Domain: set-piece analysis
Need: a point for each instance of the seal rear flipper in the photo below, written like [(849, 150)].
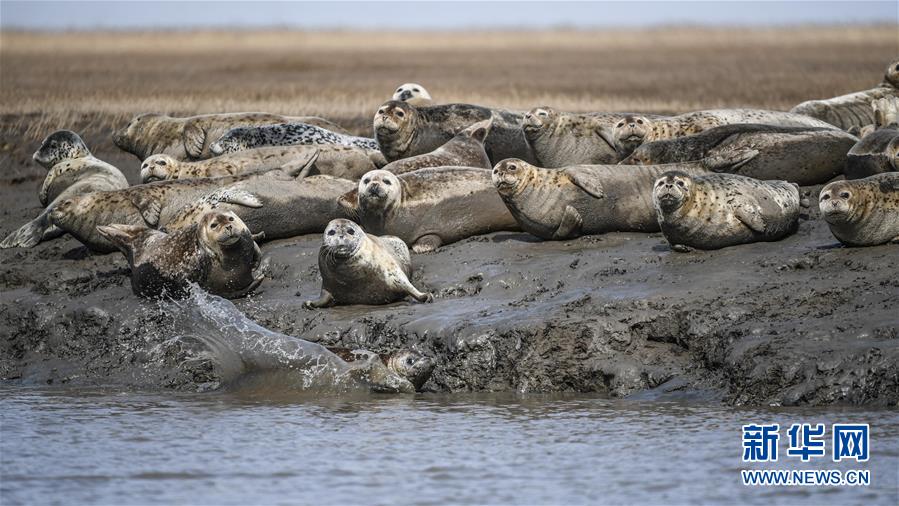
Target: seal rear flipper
[(29, 234), (298, 169), (194, 138), (570, 226), (729, 160), (590, 184)]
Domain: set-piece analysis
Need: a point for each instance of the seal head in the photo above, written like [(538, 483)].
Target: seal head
[(394, 125), (630, 132), (58, 146), (835, 202), (537, 120), (510, 176), (158, 168), (672, 190), (412, 366), (342, 238), (221, 230), (412, 93), (236, 139), (379, 190), (891, 76)]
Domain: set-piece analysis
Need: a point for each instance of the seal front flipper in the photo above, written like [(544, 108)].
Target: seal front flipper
[(729, 160), (324, 300), (571, 224), (298, 169), (586, 182), (149, 208), (349, 203), (121, 236), (194, 139), (680, 248), (427, 243), (749, 215)]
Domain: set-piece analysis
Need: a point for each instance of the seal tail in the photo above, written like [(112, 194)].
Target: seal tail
[(29, 234)]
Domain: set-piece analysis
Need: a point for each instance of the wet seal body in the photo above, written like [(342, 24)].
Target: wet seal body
[(802, 155), (359, 268), (428, 208), (853, 110), (413, 93), (556, 204), (403, 130), (863, 212), (408, 364), (189, 138), (877, 152), (715, 211), (217, 252), (466, 149), (285, 134), (73, 171)]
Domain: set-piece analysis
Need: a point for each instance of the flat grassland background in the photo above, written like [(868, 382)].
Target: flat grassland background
[(93, 82)]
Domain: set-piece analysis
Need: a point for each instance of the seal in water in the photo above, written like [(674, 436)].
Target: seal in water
[(73, 171), (403, 130), (285, 134), (428, 208), (359, 268), (413, 93), (863, 212), (854, 109), (877, 152), (466, 149), (715, 211), (802, 155), (583, 199), (189, 138), (408, 364), (217, 252)]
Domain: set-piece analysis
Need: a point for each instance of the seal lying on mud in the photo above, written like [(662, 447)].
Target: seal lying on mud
[(403, 130), (189, 138), (877, 152), (466, 149), (714, 211), (863, 212), (73, 170), (854, 109), (428, 208), (408, 364), (413, 93), (801, 155), (156, 204), (217, 252), (285, 134), (582, 199), (359, 268)]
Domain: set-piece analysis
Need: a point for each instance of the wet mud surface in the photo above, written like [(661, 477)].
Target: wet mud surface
[(802, 321)]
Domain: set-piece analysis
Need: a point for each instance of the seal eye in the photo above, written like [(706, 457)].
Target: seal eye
[(351, 232), (621, 124), (639, 121), (400, 113), (214, 226), (381, 111), (681, 184), (366, 181), (331, 232), (399, 90), (161, 162), (512, 167), (410, 360), (231, 218), (844, 195), (825, 197), (387, 182), (415, 89)]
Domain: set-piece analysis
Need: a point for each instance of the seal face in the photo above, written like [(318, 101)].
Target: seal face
[(630, 133), (60, 146), (158, 168), (412, 93), (713, 211), (286, 134), (358, 268), (863, 212)]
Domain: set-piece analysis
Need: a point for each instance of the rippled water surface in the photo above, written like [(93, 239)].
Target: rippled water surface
[(87, 447)]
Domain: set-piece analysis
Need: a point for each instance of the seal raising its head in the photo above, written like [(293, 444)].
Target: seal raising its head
[(59, 146), (466, 149), (158, 168), (863, 212), (358, 268), (891, 76), (630, 133), (413, 93)]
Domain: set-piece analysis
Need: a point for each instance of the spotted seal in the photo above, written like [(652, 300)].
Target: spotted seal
[(802, 155), (713, 211), (413, 93), (403, 130), (428, 208), (73, 171), (360, 268), (466, 149), (285, 134), (853, 110), (189, 138), (863, 212), (878, 151)]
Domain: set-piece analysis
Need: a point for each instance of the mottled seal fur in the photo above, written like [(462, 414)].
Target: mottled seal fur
[(863, 212), (165, 167), (853, 110), (428, 208), (409, 364), (413, 93), (714, 211), (285, 134), (466, 149), (189, 138), (802, 155), (217, 252), (73, 171), (403, 130), (359, 268), (877, 152), (580, 200)]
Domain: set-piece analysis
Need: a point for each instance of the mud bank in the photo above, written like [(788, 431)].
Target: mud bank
[(799, 322)]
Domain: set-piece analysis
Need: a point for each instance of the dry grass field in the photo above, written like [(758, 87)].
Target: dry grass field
[(93, 82)]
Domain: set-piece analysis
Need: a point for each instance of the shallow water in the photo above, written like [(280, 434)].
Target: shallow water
[(62, 446)]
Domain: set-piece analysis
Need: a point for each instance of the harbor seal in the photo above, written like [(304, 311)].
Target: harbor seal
[(408, 364), (466, 149), (189, 138), (877, 152), (802, 155), (413, 93), (285, 134), (73, 171), (863, 212), (853, 110), (428, 208), (557, 204), (403, 130), (217, 252), (715, 211), (359, 268), (630, 132)]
